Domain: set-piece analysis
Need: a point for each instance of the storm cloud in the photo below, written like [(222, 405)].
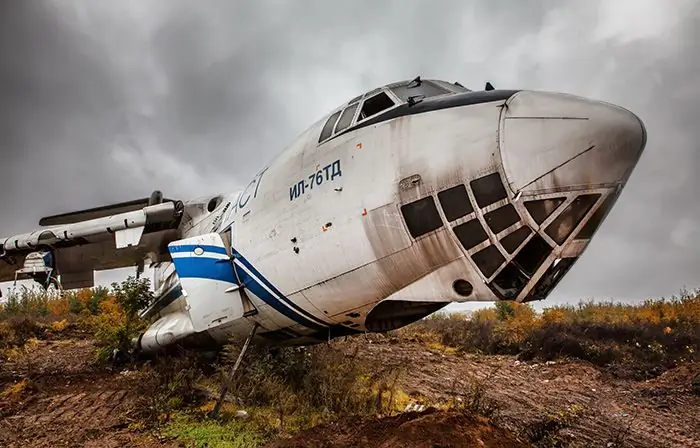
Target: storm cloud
[(106, 101)]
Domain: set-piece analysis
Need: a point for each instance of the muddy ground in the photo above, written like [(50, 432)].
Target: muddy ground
[(71, 403)]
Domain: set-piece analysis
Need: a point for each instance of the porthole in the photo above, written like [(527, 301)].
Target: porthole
[(462, 287), (213, 203)]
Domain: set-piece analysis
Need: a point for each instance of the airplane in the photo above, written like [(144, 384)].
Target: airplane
[(402, 200)]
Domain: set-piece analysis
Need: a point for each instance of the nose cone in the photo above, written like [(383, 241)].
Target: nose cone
[(551, 141)]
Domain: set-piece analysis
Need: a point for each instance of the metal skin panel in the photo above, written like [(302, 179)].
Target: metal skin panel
[(553, 142), (316, 240)]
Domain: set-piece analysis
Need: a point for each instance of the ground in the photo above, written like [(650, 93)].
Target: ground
[(69, 402)]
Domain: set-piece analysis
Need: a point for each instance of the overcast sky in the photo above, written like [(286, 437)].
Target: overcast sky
[(106, 101)]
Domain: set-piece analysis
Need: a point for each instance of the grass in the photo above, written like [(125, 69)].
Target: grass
[(214, 434)]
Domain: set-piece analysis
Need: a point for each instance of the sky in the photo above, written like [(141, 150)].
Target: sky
[(103, 102)]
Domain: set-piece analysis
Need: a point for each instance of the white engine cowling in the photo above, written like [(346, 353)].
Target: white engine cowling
[(165, 331)]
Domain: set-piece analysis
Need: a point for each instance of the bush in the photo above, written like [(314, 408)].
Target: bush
[(16, 331), (283, 390), (640, 341), (117, 321), (111, 316), (168, 384)]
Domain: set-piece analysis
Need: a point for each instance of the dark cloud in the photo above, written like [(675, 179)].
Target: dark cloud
[(101, 102), (58, 102), (650, 244)]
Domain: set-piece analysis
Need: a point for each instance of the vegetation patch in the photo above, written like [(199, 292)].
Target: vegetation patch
[(634, 341), (279, 393)]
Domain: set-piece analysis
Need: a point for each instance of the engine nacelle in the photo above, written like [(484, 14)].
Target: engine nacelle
[(39, 266), (165, 331)]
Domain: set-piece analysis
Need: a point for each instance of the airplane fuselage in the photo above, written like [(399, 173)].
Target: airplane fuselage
[(383, 218)]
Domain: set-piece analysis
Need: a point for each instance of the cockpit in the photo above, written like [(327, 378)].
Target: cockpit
[(361, 109)]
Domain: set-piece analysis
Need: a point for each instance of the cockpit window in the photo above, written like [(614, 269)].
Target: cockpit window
[(356, 99), (328, 127), (423, 89), (374, 105), (346, 118)]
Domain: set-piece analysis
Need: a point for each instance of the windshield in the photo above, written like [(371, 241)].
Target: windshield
[(418, 88)]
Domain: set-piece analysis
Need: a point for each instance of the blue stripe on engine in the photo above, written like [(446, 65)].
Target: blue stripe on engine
[(205, 268), (201, 266)]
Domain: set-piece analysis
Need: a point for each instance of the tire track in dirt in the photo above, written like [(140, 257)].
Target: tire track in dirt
[(71, 403), (641, 413), (68, 419)]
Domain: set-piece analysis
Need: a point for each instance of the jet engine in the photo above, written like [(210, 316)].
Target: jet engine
[(39, 266)]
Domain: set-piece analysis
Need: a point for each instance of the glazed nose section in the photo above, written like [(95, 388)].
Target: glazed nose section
[(551, 141)]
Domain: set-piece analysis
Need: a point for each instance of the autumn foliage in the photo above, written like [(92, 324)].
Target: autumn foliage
[(110, 315), (639, 340)]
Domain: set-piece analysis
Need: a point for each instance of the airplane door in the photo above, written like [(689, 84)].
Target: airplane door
[(209, 282)]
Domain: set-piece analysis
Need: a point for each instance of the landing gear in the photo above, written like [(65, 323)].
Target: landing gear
[(224, 386)]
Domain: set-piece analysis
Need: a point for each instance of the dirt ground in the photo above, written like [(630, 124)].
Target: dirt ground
[(67, 403), (427, 429), (70, 403)]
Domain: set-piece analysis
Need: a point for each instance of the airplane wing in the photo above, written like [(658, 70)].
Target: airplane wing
[(74, 245)]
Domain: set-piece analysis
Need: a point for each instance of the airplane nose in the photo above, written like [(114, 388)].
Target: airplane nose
[(554, 142)]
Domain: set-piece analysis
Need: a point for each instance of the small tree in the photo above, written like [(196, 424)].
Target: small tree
[(505, 310), (99, 295), (117, 320), (132, 295)]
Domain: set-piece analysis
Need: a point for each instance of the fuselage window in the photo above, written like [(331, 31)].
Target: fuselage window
[(532, 255), (551, 278), (502, 218), (488, 260), (425, 89), (455, 202), (328, 127), (542, 208), (372, 106), (592, 225), (509, 282), (421, 216), (346, 118), (513, 240), (356, 99), (488, 189), (470, 234)]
